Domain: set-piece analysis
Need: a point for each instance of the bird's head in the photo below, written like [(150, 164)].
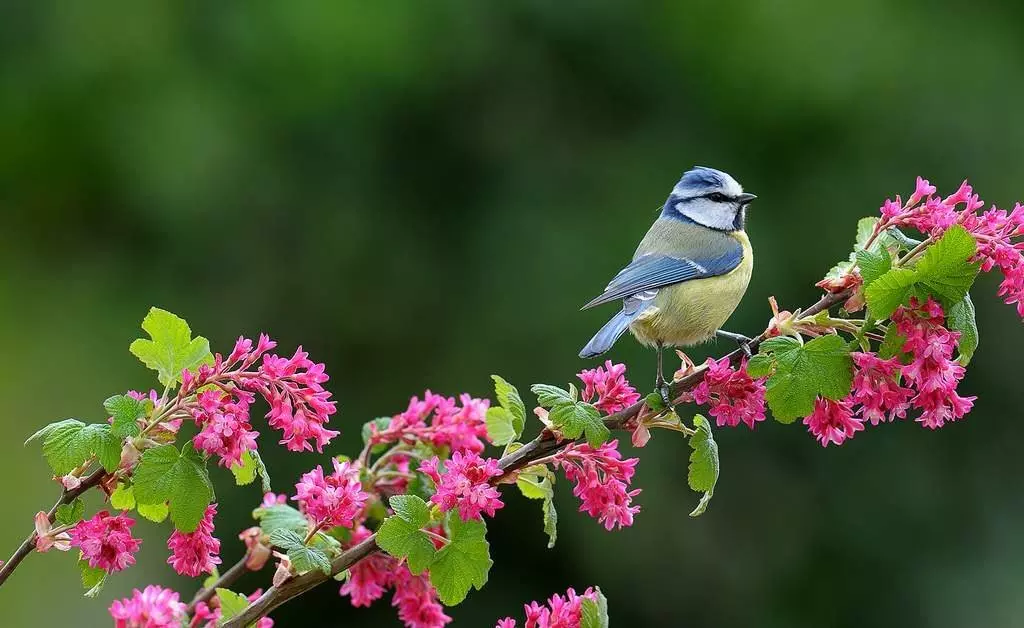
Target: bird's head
[(710, 198)]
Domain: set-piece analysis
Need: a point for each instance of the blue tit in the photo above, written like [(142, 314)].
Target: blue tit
[(689, 272)]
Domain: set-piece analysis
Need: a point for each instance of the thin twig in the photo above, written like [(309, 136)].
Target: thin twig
[(66, 497)]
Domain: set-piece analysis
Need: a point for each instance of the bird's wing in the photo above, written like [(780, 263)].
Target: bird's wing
[(653, 271)]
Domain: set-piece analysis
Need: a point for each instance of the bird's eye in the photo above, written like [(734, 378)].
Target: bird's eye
[(718, 197)]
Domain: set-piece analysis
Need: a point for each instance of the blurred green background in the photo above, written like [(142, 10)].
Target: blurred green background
[(422, 194)]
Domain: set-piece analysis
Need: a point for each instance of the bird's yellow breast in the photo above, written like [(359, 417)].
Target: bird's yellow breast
[(690, 312)]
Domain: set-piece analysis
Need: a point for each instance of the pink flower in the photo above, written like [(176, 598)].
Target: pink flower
[(610, 387), (271, 499), (370, 577), (209, 617), (876, 387), (833, 421), (602, 480), (223, 419), (932, 371), (465, 484), (334, 500), (257, 554), (153, 607), (439, 421), (734, 396), (45, 539), (195, 552), (416, 600), (560, 612), (106, 541)]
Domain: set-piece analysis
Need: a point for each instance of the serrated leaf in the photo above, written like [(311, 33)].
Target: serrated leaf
[(286, 539), (281, 516), (165, 475), (70, 443), (171, 348), (501, 429), (123, 497), (944, 268), (779, 344), (889, 291), (306, 558), (154, 512), (231, 604), (404, 540), (760, 365), (576, 418), (548, 395), (509, 398), (704, 464), (960, 318), (46, 430), (463, 563), (594, 613), (70, 514), (820, 367), (126, 411), (873, 265), (93, 578), (411, 508)]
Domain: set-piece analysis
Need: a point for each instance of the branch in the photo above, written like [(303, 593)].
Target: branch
[(224, 581), (544, 445), (66, 497)]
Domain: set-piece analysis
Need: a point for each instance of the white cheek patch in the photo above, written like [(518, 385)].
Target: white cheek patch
[(708, 213)]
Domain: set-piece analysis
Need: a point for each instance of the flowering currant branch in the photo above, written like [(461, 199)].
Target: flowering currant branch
[(408, 514)]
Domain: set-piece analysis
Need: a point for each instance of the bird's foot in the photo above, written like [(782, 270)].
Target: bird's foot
[(743, 341), (662, 387)]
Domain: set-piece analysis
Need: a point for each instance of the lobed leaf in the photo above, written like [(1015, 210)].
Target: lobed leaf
[(803, 372), (704, 464), (171, 348), (548, 395), (69, 443), (231, 604), (126, 411), (180, 479), (463, 563), (576, 418), (402, 539)]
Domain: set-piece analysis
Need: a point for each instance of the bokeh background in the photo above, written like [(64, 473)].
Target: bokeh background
[(422, 194)]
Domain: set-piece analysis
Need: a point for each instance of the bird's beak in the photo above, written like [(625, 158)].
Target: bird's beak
[(745, 198)]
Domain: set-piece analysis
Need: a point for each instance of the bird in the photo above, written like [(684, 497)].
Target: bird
[(688, 274)]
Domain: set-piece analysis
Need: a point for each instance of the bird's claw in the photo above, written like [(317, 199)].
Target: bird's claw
[(663, 390)]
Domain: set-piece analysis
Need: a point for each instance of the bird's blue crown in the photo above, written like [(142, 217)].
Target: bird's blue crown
[(702, 178)]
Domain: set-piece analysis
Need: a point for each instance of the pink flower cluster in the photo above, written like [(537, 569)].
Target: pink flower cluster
[(337, 499), (734, 396), (607, 388), (106, 541), (560, 611), (439, 421), (884, 390), (300, 407), (602, 480), (153, 607), (993, 231), (207, 616), (223, 419), (195, 552), (465, 484), (414, 596)]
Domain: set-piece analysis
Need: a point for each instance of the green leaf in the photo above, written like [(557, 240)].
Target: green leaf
[(873, 265), (281, 516), (574, 418), (537, 482), (309, 558), (286, 539), (960, 318), (944, 268), (889, 291), (501, 428), (402, 539), (154, 512), (126, 412), (704, 465), (381, 423), (231, 604), (463, 563), (802, 373), (93, 578), (411, 509), (779, 344), (171, 348), (548, 395), (550, 521), (164, 475), (594, 614), (46, 430), (760, 365), (70, 443), (70, 514), (245, 473), (509, 399), (123, 497)]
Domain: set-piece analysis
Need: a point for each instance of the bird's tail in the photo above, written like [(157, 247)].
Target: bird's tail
[(607, 335)]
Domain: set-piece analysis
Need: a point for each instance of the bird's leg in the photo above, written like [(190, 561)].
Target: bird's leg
[(740, 339), (659, 382)]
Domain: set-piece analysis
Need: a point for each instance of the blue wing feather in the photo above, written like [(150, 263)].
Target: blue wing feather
[(653, 271)]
